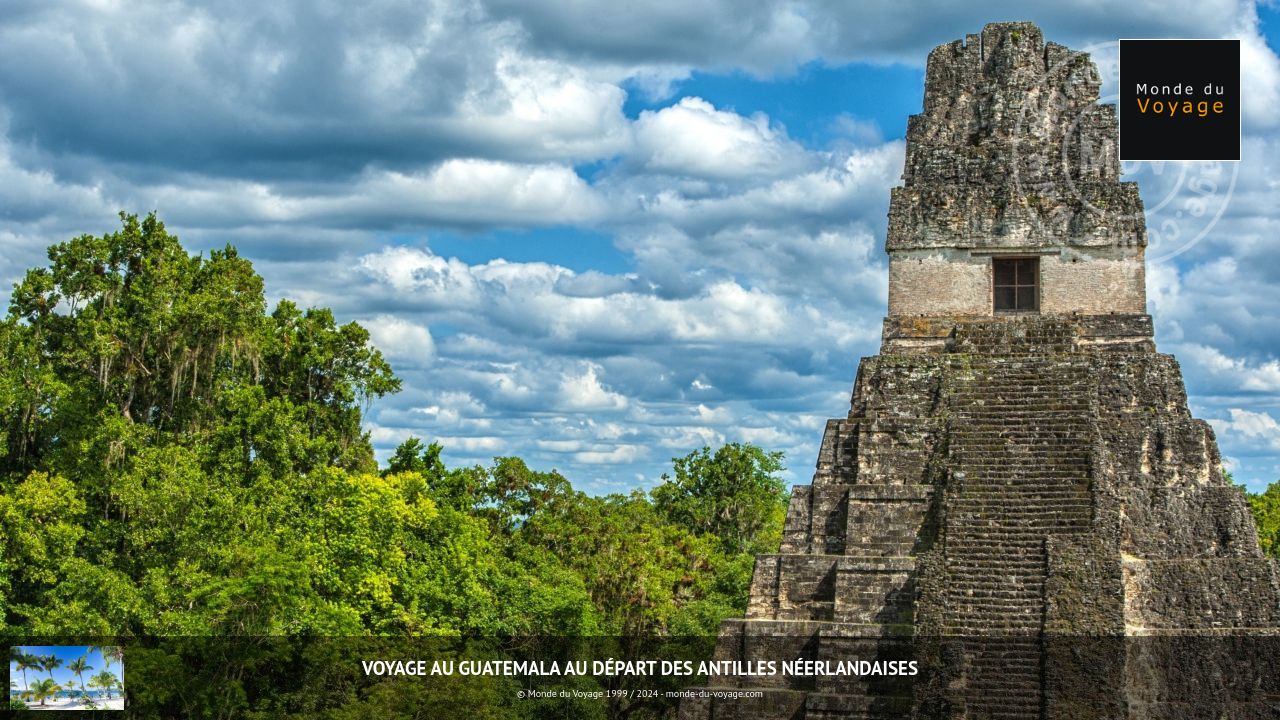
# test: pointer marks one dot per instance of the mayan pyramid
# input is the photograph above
(1019, 497)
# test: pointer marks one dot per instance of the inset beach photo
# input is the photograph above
(66, 677)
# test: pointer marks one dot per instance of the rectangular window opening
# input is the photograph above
(1016, 285)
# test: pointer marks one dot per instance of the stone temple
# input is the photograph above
(1019, 497)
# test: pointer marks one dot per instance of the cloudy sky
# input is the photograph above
(593, 234)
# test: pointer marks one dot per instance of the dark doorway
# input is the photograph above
(1017, 284)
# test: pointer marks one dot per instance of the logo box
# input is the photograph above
(1179, 99)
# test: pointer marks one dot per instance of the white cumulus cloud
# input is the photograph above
(400, 339)
(583, 392)
(694, 138)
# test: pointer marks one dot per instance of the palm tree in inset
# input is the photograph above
(104, 680)
(80, 666)
(25, 661)
(110, 654)
(16, 657)
(43, 689)
(49, 663)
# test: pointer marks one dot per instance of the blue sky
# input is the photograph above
(62, 676)
(590, 235)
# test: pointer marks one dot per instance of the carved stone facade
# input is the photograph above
(1022, 502)
(1013, 156)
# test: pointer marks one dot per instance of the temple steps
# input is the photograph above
(1041, 400)
(1021, 542)
(1011, 488)
(1023, 592)
(1014, 437)
(997, 515)
(1011, 419)
(1046, 457)
(979, 560)
(978, 527)
(997, 491)
(1001, 477)
(1018, 476)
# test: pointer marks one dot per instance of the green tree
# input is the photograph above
(104, 680)
(43, 689)
(634, 565)
(49, 663)
(79, 666)
(129, 325)
(144, 328)
(155, 427)
(513, 492)
(1266, 514)
(326, 370)
(41, 524)
(412, 457)
(24, 661)
(110, 654)
(733, 494)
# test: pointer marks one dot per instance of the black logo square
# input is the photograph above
(1179, 100)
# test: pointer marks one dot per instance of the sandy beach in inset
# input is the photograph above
(78, 704)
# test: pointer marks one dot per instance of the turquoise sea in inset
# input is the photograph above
(95, 694)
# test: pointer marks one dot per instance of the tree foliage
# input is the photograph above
(43, 689)
(179, 460)
(1266, 514)
(731, 494)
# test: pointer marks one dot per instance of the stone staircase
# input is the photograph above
(1016, 417)
(1019, 460)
